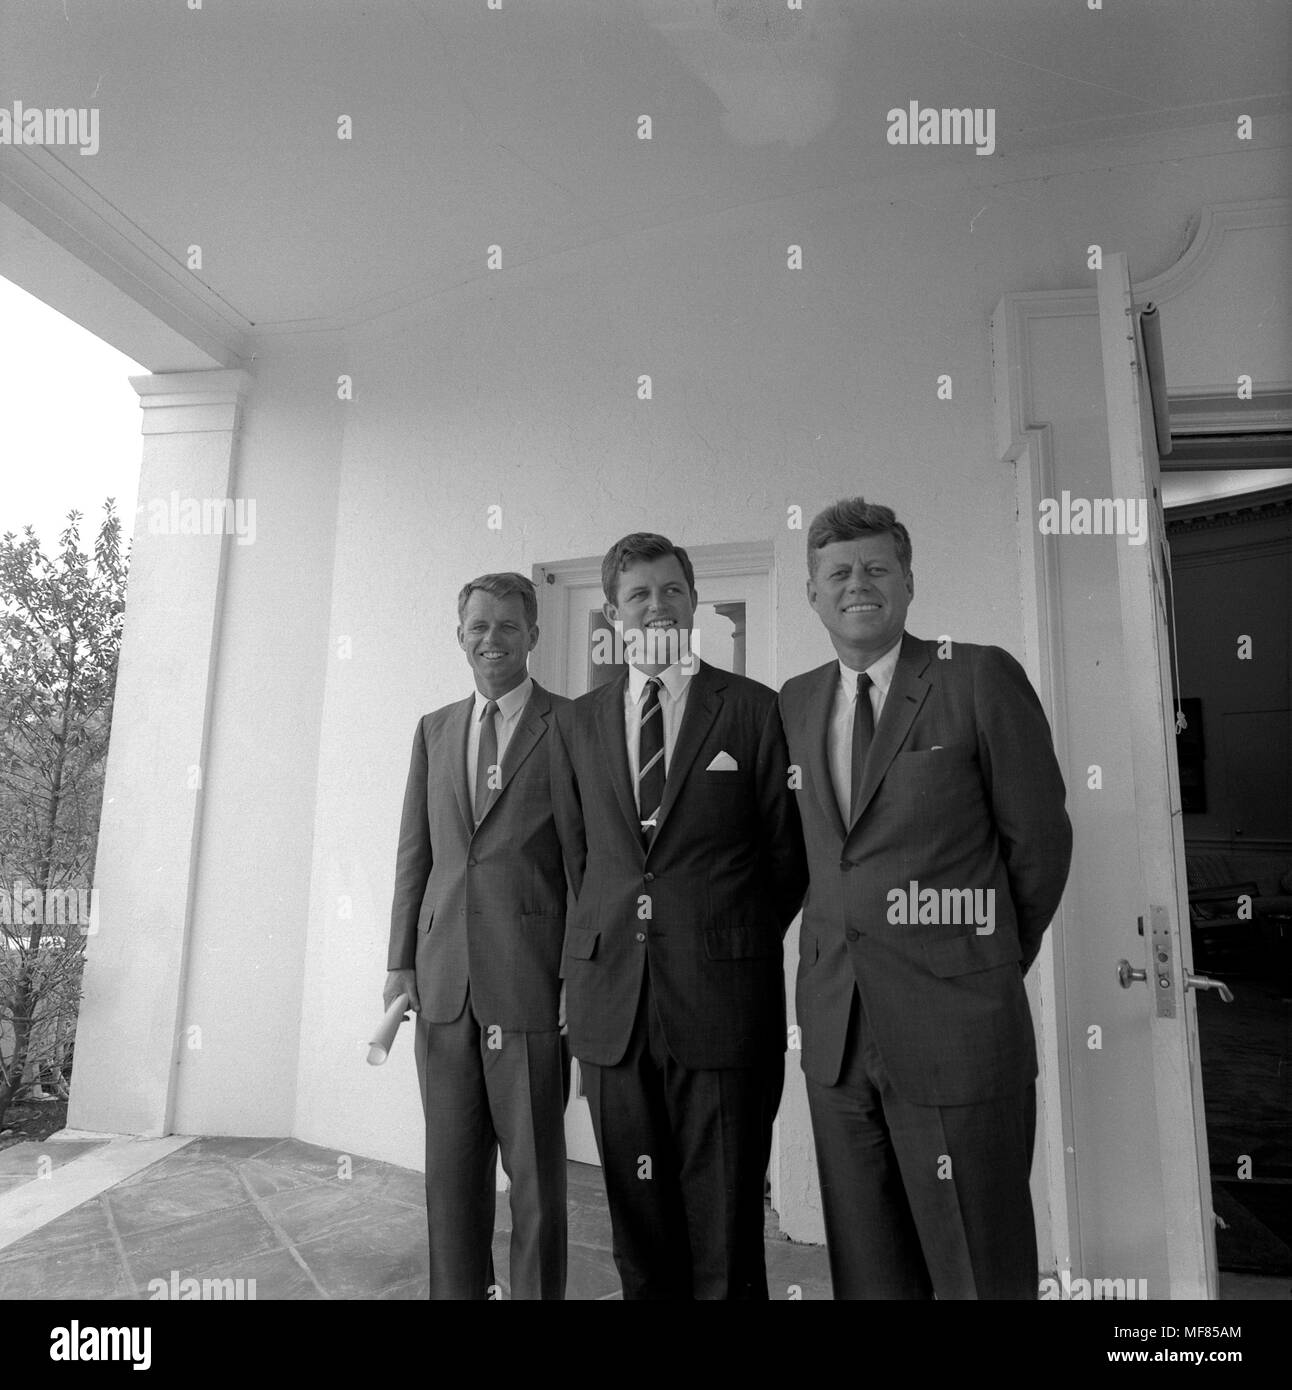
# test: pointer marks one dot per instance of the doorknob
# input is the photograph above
(1206, 982)
(1126, 973)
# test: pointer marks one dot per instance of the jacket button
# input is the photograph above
(852, 935)
(471, 863)
(845, 864)
(650, 878)
(641, 936)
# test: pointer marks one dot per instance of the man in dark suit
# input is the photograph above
(475, 941)
(938, 847)
(683, 850)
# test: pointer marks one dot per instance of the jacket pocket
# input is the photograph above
(580, 943)
(963, 955)
(946, 752)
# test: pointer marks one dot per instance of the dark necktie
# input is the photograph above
(486, 759)
(863, 733)
(650, 760)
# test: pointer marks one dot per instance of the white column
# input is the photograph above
(131, 1018)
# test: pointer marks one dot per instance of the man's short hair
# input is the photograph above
(502, 586)
(851, 518)
(640, 545)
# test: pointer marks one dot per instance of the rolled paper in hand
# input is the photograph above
(383, 1039)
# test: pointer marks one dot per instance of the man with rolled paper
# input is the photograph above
(476, 929)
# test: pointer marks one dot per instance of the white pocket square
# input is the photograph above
(723, 762)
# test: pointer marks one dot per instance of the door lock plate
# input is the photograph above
(1162, 963)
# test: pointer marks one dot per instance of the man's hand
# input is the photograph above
(401, 982)
(560, 1013)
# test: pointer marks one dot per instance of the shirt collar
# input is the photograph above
(675, 679)
(510, 704)
(880, 672)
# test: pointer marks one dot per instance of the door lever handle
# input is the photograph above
(1126, 974)
(1206, 982)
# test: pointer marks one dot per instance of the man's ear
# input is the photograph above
(910, 584)
(611, 612)
(533, 638)
(810, 590)
(461, 643)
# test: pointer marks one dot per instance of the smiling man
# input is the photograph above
(475, 942)
(925, 766)
(684, 854)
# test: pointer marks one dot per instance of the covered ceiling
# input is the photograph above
(518, 126)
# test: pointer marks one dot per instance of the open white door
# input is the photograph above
(1163, 978)
(1122, 1167)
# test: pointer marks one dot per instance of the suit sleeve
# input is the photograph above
(781, 829)
(412, 862)
(567, 805)
(1026, 791)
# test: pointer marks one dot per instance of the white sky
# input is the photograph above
(69, 423)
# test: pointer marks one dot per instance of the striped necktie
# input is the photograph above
(650, 760)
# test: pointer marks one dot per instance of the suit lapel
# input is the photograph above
(609, 720)
(530, 727)
(703, 701)
(820, 710)
(455, 754)
(906, 694)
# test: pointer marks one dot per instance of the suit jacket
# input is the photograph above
(708, 904)
(481, 905)
(961, 791)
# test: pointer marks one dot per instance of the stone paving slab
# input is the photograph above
(26, 1209)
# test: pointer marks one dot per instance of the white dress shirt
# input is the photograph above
(508, 716)
(675, 682)
(841, 717)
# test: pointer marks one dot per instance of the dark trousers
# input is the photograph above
(920, 1200)
(479, 1099)
(684, 1154)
